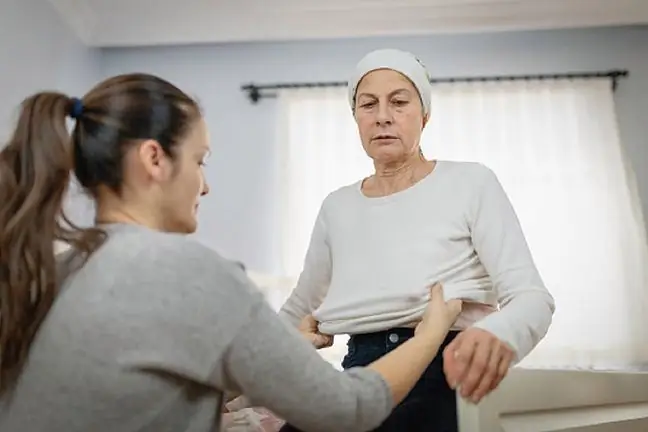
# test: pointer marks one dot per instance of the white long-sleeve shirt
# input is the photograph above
(370, 260)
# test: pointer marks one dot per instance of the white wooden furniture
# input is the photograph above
(561, 400)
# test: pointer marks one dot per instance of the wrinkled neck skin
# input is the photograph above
(396, 176)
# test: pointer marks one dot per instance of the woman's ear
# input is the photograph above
(153, 159)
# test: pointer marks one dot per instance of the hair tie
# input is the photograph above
(76, 110)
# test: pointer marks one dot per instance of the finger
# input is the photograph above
(456, 342)
(475, 368)
(503, 368)
(323, 340)
(490, 375)
(463, 358)
(328, 341)
(449, 364)
(436, 292)
(455, 305)
(308, 323)
(312, 339)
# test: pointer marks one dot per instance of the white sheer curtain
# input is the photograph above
(555, 147)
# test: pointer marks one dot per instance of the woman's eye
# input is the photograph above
(400, 102)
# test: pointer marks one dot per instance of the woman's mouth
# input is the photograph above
(384, 137)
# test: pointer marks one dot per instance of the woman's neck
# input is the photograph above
(395, 177)
(110, 210)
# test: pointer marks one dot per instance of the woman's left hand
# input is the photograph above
(475, 362)
(309, 328)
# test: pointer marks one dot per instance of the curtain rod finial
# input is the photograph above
(253, 93)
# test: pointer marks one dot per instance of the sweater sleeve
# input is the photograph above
(314, 280)
(219, 329)
(526, 306)
(275, 367)
(199, 317)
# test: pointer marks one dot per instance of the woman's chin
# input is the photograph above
(192, 226)
(186, 226)
(387, 155)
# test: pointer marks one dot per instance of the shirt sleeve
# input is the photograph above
(314, 280)
(526, 306)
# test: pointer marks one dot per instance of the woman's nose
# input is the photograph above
(205, 188)
(383, 115)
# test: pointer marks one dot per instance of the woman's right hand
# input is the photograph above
(439, 315)
(309, 328)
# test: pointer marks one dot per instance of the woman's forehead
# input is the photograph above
(382, 81)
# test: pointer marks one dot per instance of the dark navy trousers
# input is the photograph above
(431, 406)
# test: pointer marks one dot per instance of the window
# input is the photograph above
(554, 145)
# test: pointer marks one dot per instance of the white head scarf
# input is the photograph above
(400, 61)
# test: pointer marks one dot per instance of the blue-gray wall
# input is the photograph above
(38, 51)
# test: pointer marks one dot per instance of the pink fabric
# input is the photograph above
(251, 420)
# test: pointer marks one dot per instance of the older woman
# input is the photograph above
(379, 242)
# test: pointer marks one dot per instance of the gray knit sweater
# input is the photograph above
(150, 333)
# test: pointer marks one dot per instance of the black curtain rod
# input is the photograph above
(257, 92)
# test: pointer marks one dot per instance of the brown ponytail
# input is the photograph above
(34, 175)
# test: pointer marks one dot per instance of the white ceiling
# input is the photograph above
(109, 23)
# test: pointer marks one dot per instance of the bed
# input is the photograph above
(535, 400)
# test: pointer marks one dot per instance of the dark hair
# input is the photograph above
(35, 169)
